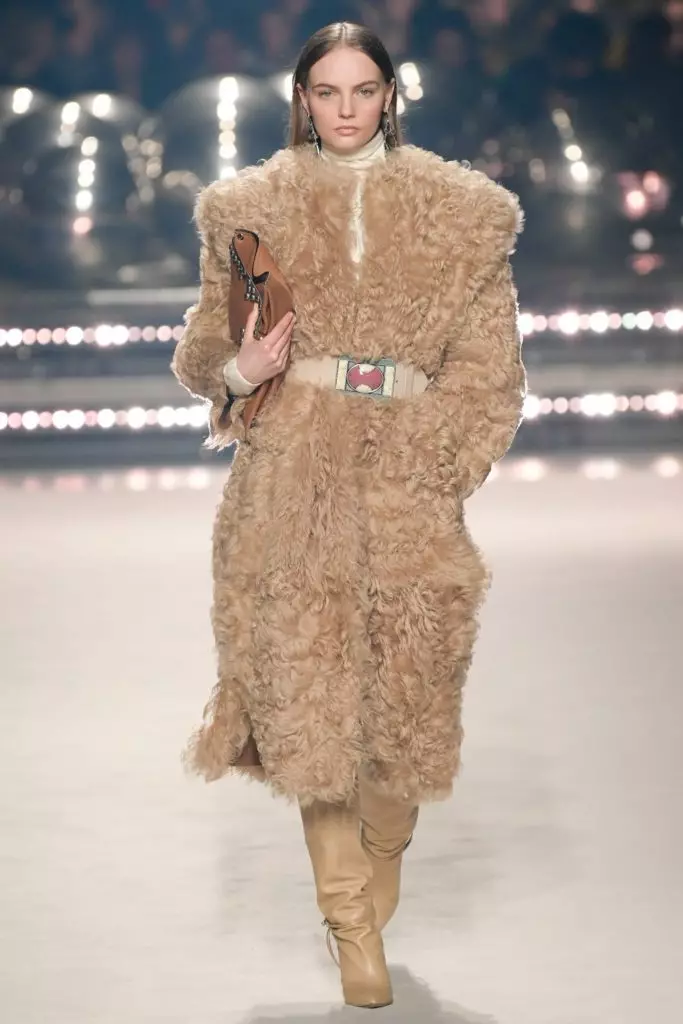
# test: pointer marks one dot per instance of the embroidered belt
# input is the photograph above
(371, 378)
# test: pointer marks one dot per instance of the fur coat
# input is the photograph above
(346, 585)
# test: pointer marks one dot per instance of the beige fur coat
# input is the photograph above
(346, 586)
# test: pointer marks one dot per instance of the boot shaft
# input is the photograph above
(343, 878)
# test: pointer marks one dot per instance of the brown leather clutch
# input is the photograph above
(256, 278)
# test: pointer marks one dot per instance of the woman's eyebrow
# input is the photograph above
(325, 85)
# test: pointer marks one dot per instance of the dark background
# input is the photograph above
(114, 115)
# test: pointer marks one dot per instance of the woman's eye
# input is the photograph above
(367, 92)
(324, 94)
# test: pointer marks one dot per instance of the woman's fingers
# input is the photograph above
(281, 327)
(283, 355)
(280, 340)
(268, 355)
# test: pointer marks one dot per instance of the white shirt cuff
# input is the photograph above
(237, 384)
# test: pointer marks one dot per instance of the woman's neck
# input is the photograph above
(360, 159)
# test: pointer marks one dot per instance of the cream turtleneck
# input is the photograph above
(359, 161)
(361, 158)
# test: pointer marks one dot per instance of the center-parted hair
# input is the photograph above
(355, 37)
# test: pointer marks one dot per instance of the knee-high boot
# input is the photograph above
(343, 876)
(386, 831)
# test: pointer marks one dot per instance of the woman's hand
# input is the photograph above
(260, 360)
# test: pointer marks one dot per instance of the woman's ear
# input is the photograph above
(302, 94)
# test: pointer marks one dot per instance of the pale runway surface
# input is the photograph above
(548, 890)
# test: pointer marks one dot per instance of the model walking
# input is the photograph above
(346, 586)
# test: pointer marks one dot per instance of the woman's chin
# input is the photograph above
(344, 142)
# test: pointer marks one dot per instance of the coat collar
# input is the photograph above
(362, 159)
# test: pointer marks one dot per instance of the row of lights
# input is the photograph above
(665, 403)
(101, 105)
(103, 335)
(571, 322)
(136, 418)
(526, 470)
(568, 323)
(531, 470)
(604, 405)
(195, 479)
(226, 112)
(580, 175)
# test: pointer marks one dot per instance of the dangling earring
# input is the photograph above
(387, 128)
(313, 135)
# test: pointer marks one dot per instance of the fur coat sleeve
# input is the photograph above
(481, 383)
(206, 346)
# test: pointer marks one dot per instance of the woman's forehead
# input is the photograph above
(344, 66)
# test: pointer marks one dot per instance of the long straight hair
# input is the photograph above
(356, 37)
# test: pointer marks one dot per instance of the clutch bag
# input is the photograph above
(256, 278)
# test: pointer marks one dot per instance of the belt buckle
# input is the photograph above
(371, 378)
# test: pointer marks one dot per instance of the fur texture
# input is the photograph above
(346, 584)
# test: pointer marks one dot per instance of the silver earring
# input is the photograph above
(313, 135)
(387, 126)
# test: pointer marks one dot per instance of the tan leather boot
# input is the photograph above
(342, 876)
(387, 827)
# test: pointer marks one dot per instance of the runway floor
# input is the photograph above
(548, 890)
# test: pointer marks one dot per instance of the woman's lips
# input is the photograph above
(346, 130)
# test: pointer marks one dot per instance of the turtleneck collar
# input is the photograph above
(372, 152)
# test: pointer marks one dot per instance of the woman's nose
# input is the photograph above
(346, 107)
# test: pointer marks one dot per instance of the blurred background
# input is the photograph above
(114, 114)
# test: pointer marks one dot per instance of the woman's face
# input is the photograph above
(346, 96)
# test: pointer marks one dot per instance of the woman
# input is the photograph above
(346, 584)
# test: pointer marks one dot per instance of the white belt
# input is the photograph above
(381, 378)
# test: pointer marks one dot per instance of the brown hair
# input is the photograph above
(356, 37)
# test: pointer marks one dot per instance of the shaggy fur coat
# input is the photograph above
(346, 585)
